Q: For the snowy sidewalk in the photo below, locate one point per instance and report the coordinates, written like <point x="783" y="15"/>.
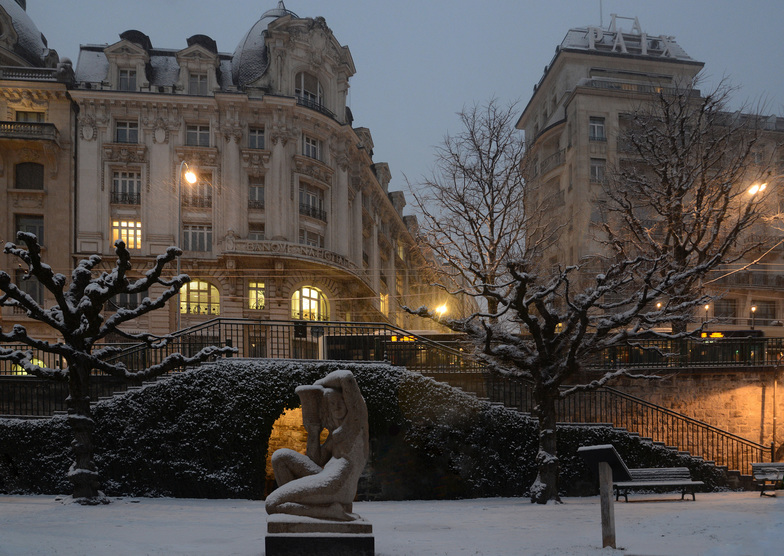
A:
<point x="716" y="524"/>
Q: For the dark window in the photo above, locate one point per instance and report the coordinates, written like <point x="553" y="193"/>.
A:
<point x="31" y="286"/>
<point x="127" y="81"/>
<point x="596" y="130"/>
<point x="197" y="84"/>
<point x="256" y="138"/>
<point x="126" y="188"/>
<point x="29" y="175"/>
<point x="31" y="225"/>
<point x="256" y="193"/>
<point x="197" y="136"/>
<point x="126" y="132"/>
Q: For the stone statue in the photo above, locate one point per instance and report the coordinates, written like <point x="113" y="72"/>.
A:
<point x="322" y="484"/>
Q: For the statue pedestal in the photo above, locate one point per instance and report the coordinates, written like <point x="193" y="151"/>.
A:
<point x="289" y="535"/>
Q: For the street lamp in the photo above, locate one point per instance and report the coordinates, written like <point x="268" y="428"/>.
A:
<point x="441" y="310"/>
<point x="706" y="312"/>
<point x="190" y="177"/>
<point x="753" y="310"/>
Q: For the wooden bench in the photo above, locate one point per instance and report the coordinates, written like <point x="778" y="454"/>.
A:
<point x="657" y="477"/>
<point x="767" y="476"/>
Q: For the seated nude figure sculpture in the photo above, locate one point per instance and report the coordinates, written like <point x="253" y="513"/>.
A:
<point x="323" y="483"/>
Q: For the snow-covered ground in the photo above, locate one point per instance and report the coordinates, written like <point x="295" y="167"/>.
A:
<point x="717" y="524"/>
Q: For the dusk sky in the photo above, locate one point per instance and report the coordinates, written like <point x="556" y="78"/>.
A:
<point x="419" y="62"/>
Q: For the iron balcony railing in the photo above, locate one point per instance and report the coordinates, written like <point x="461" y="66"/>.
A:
<point x="315" y="105"/>
<point x="124" y="198"/>
<point x="313" y="211"/>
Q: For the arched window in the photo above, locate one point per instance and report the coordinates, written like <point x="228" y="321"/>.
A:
<point x="199" y="298"/>
<point x="308" y="90"/>
<point x="309" y="303"/>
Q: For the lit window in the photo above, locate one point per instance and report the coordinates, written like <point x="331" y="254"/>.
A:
<point x="126" y="132"/>
<point x="384" y="304"/>
<point x="255" y="295"/>
<point x="197" y="84"/>
<point x="597" y="170"/>
<point x="256" y="193"/>
<point x="311" y="238"/>
<point x="29" y="175"/>
<point x="256" y="138"/>
<point x="596" y="129"/>
<point x="130" y="231"/>
<point x="31" y="225"/>
<point x="127" y="80"/>
<point x="255" y="232"/>
<point x="197" y="238"/>
<point x="126" y="188"/>
<point x="311" y="147"/>
<point x="308" y="90"/>
<point x="199" y="298"/>
<point x="30" y="117"/>
<point x="197" y="136"/>
<point x="309" y="303"/>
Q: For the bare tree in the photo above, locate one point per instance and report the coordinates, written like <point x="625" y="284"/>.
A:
<point x="473" y="217"/>
<point x="77" y="319"/>
<point x="564" y="318"/>
<point x="681" y="188"/>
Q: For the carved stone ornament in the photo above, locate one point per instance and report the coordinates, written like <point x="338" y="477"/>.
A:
<point x="87" y="130"/>
<point x="160" y="134"/>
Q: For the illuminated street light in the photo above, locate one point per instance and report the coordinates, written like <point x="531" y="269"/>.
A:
<point x="707" y="306"/>
<point x="757" y="188"/>
<point x="191" y="177"/>
<point x="753" y="311"/>
<point x="441" y="310"/>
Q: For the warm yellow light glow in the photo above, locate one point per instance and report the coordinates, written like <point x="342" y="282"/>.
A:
<point x="707" y="307"/>
<point x="441" y="310"/>
<point x="658" y="305"/>
<point x="753" y="308"/>
<point x="190" y="177"/>
<point x="757" y="188"/>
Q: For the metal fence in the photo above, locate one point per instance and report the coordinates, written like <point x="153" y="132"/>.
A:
<point x="444" y="359"/>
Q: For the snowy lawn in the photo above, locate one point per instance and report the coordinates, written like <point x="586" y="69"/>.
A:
<point x="716" y="524"/>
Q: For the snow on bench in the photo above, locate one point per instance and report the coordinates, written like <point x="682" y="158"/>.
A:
<point x="656" y="477"/>
<point x="767" y="476"/>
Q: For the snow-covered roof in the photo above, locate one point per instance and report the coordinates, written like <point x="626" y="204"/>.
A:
<point x="92" y="65"/>
<point x="250" y="57"/>
<point x="30" y="44"/>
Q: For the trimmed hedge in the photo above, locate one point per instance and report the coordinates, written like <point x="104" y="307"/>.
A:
<point x="203" y="434"/>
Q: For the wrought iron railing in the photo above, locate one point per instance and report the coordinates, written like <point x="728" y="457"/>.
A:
<point x="313" y="211"/>
<point x="608" y="405"/>
<point x="126" y="198"/>
<point x="384" y="342"/>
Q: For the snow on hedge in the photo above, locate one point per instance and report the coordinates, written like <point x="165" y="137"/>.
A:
<point x="203" y="434"/>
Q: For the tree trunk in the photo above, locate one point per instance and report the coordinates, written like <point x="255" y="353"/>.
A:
<point x="83" y="473"/>
<point x="545" y="487"/>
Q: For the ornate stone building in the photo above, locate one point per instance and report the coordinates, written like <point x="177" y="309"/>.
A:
<point x="36" y="151"/>
<point x="573" y="123"/>
<point x="247" y="160"/>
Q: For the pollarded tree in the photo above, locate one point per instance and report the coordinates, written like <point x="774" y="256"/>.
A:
<point x="563" y="319"/>
<point x="472" y="208"/>
<point x="77" y="319"/>
<point x="681" y="189"/>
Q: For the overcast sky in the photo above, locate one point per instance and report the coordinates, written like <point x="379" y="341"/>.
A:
<point x="420" y="61"/>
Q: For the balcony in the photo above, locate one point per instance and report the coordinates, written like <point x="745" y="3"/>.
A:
<point x="554" y="160"/>
<point x="29" y="131"/>
<point x="121" y="198"/>
<point x="196" y="201"/>
<point x="256" y="203"/>
<point x="315" y="105"/>
<point x="313" y="212"/>
<point x="28" y="74"/>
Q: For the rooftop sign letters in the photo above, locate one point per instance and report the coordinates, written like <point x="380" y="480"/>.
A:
<point x="613" y="39"/>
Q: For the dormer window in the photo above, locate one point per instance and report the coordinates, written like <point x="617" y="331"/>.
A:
<point x="127" y="80"/>
<point x="197" y="84"/>
<point x="308" y="90"/>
